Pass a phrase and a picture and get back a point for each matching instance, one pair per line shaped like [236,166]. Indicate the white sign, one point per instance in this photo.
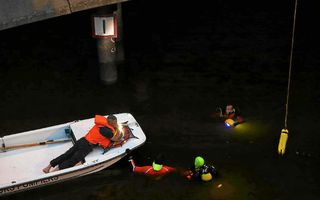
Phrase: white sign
[104,26]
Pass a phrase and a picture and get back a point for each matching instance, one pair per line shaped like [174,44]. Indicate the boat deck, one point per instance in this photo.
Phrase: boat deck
[27,163]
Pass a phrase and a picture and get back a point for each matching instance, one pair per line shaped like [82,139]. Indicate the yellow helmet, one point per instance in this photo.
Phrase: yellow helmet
[206,177]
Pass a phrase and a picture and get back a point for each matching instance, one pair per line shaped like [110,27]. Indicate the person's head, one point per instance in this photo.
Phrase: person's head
[158,162]
[229,109]
[112,120]
[198,162]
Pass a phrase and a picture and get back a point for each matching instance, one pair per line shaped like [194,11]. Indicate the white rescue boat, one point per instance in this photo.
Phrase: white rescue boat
[24,155]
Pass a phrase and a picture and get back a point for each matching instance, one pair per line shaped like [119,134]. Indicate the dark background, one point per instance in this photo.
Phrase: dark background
[182,61]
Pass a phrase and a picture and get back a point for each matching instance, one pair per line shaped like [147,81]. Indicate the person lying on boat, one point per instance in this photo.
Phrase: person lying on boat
[231,113]
[102,133]
[156,170]
[201,171]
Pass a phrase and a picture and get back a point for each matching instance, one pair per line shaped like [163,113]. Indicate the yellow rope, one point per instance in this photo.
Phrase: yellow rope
[290,64]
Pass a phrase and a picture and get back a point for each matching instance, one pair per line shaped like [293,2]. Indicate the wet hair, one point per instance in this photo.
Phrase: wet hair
[111,118]
[159,159]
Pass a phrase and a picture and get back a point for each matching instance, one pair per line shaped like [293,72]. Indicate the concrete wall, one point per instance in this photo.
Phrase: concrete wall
[18,12]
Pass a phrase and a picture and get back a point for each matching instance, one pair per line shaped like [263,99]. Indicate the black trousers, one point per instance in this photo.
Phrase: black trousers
[74,155]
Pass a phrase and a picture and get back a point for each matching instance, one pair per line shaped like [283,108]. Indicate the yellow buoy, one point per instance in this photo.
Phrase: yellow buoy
[206,177]
[229,122]
[283,141]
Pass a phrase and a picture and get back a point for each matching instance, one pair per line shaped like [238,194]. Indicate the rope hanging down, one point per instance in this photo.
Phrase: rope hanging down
[284,132]
[290,64]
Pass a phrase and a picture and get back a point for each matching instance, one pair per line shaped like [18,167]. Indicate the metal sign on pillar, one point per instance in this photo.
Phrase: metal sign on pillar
[104,26]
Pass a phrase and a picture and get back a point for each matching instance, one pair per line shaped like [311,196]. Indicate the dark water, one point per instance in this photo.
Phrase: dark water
[181,63]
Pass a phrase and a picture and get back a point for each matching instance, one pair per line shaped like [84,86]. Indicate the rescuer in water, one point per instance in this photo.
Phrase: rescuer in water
[156,170]
[231,116]
[101,134]
[201,171]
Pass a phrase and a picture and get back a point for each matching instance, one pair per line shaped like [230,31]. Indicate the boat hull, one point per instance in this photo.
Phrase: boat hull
[57,178]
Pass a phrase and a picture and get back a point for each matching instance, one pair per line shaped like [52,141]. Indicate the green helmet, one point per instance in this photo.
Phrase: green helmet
[156,167]
[198,162]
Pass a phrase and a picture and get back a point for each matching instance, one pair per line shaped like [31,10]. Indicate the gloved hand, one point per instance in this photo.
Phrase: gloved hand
[131,161]
[220,111]
[128,151]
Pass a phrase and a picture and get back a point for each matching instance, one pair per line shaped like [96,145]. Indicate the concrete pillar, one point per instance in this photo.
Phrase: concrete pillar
[107,54]
[107,61]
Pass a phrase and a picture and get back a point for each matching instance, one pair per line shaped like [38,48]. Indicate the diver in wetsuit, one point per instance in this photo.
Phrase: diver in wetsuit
[156,170]
[201,171]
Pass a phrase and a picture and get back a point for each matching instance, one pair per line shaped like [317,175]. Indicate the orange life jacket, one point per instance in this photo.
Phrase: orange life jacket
[230,115]
[233,116]
[94,136]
